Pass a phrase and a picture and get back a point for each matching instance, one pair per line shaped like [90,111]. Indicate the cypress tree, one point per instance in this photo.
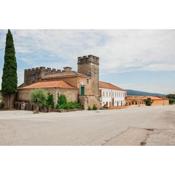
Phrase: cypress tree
[9,77]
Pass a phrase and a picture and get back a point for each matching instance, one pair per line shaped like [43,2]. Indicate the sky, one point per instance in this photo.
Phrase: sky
[132,59]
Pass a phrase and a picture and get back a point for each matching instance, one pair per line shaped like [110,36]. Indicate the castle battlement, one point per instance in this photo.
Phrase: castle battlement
[88,59]
[87,65]
[42,69]
[35,74]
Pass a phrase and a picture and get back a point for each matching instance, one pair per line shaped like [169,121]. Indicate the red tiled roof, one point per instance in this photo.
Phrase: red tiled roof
[106,85]
[153,97]
[49,84]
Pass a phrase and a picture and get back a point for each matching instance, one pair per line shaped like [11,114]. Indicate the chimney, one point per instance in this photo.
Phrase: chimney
[67,69]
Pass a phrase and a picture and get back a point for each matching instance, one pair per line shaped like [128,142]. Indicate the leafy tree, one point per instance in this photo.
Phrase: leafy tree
[148,102]
[171,98]
[9,77]
[39,98]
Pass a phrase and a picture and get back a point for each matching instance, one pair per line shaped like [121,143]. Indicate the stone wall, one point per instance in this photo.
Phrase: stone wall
[71,94]
[140,100]
[36,74]
[89,101]
[160,102]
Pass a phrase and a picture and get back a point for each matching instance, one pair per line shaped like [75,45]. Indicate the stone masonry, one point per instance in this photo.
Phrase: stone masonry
[85,80]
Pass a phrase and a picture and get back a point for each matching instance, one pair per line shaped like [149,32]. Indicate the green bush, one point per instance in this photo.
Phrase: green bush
[62,100]
[89,108]
[39,97]
[69,105]
[64,104]
[94,107]
[50,101]
[171,98]
[148,102]
[73,105]
[171,101]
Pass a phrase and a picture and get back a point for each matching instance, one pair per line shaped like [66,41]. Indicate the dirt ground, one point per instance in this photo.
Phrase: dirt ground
[133,126]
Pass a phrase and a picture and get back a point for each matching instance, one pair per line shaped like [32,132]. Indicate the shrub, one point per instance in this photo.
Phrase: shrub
[63,104]
[1,105]
[171,101]
[89,108]
[171,98]
[39,97]
[94,107]
[50,101]
[148,102]
[62,100]
[69,105]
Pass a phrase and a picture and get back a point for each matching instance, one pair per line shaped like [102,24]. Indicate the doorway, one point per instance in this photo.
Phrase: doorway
[82,90]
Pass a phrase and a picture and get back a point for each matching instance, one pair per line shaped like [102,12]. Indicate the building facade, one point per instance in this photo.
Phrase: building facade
[140,100]
[111,95]
[81,86]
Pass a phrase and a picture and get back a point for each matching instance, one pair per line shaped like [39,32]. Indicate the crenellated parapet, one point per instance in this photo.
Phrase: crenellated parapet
[88,59]
[35,74]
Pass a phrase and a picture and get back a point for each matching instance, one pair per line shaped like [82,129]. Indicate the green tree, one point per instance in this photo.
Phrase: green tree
[148,102]
[9,77]
[50,101]
[39,98]
[62,100]
[171,98]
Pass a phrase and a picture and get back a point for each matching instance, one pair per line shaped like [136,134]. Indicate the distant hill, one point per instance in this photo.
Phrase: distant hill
[131,92]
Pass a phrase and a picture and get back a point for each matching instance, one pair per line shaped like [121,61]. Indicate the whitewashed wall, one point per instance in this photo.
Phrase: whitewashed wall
[108,94]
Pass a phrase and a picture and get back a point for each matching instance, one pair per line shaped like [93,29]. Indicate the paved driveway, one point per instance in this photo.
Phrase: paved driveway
[133,126]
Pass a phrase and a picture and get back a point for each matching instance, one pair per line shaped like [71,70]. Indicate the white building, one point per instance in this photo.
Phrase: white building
[111,95]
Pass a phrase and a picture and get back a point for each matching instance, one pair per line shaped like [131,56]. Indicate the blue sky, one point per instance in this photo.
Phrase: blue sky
[132,59]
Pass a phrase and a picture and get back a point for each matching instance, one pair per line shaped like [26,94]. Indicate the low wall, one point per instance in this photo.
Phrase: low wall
[160,102]
[71,94]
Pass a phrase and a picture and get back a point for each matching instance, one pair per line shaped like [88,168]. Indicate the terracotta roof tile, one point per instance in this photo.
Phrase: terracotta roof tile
[49,84]
[153,97]
[106,85]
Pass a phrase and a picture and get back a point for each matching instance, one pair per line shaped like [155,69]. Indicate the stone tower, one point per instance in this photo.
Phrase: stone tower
[89,65]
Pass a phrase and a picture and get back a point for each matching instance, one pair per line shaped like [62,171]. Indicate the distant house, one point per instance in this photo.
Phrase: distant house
[111,95]
[140,100]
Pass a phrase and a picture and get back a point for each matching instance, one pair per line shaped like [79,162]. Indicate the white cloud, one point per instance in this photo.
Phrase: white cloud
[119,50]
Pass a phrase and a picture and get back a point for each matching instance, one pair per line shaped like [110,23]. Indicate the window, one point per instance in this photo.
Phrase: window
[87,81]
[103,93]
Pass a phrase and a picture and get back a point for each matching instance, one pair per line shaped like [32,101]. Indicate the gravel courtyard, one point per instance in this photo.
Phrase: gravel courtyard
[133,126]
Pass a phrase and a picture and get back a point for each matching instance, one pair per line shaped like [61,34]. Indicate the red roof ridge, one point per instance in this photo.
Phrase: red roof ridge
[49,84]
[107,85]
